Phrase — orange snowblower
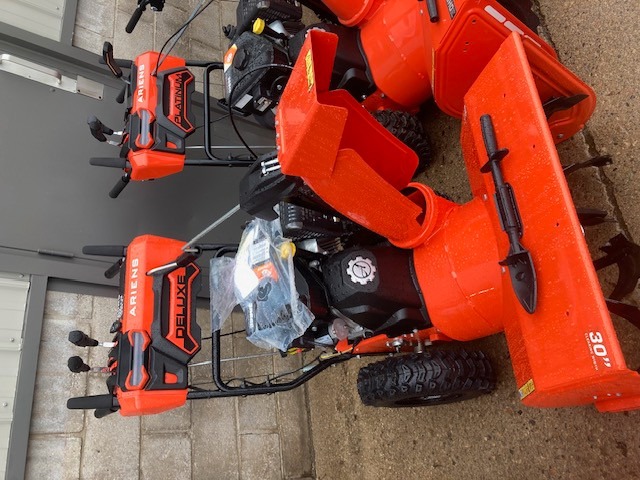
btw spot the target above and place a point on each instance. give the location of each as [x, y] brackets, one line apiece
[514, 258]
[381, 265]
[392, 57]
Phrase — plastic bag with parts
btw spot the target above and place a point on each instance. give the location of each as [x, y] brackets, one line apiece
[263, 280]
[222, 296]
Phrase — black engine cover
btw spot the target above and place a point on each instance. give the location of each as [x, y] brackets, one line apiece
[257, 92]
[376, 288]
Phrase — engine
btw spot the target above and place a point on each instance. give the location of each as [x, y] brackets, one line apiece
[266, 43]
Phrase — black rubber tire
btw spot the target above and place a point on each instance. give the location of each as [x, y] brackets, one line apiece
[521, 9]
[408, 129]
[435, 377]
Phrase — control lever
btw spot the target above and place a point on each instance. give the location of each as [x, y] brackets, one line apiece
[103, 412]
[118, 187]
[107, 251]
[137, 13]
[122, 93]
[114, 269]
[518, 260]
[156, 5]
[107, 55]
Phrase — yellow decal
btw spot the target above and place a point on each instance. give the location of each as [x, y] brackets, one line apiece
[310, 77]
[526, 389]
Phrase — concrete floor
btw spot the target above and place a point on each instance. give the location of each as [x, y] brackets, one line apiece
[495, 436]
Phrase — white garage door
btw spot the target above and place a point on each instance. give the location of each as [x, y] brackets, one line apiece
[13, 303]
[42, 17]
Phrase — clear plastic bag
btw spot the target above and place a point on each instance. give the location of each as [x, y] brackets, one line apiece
[261, 279]
[222, 297]
[264, 280]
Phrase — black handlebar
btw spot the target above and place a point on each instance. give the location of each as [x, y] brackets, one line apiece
[106, 401]
[77, 365]
[81, 339]
[105, 250]
[108, 162]
[137, 13]
[98, 129]
[118, 187]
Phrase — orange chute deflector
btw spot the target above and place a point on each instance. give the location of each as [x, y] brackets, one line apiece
[566, 352]
[411, 58]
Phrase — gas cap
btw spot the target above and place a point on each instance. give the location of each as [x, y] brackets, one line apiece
[241, 59]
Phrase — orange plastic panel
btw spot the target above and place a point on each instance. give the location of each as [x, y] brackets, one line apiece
[567, 352]
[397, 55]
[148, 402]
[146, 165]
[325, 138]
[459, 274]
[351, 12]
[462, 47]
[144, 253]
[145, 90]
[554, 80]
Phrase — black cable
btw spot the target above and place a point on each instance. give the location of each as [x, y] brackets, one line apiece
[186, 24]
[224, 334]
[226, 115]
[270, 379]
[233, 123]
[232, 333]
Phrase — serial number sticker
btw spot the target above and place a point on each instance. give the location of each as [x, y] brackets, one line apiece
[308, 60]
[526, 389]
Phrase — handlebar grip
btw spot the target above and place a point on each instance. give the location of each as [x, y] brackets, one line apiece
[133, 21]
[77, 365]
[104, 250]
[432, 9]
[81, 339]
[93, 401]
[488, 134]
[118, 187]
[108, 162]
